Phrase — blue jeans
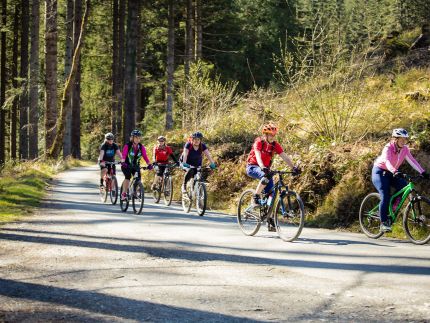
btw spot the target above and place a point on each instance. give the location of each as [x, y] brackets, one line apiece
[255, 171]
[383, 180]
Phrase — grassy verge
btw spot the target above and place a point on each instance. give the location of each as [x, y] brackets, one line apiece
[23, 185]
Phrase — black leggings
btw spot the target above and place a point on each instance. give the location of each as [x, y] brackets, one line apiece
[188, 175]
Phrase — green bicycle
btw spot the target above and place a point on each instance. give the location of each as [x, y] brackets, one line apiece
[416, 217]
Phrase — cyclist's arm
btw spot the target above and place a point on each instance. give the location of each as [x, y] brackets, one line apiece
[101, 155]
[412, 161]
[185, 155]
[387, 156]
[258, 157]
[125, 152]
[118, 153]
[145, 156]
[286, 159]
[174, 157]
[208, 155]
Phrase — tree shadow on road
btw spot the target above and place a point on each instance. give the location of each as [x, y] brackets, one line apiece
[100, 303]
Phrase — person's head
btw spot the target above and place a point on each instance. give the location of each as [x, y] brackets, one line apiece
[196, 138]
[161, 140]
[135, 136]
[400, 136]
[109, 137]
[269, 131]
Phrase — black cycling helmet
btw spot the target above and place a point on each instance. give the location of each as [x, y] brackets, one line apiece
[136, 133]
[197, 134]
[109, 136]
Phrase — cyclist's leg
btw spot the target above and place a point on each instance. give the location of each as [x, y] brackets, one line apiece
[103, 172]
[381, 179]
[126, 170]
[188, 175]
[256, 172]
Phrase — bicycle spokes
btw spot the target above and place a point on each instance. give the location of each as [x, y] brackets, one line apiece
[416, 221]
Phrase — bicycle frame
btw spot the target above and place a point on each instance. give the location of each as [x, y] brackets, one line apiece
[405, 191]
[279, 187]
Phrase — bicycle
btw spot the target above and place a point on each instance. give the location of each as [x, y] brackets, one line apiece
[288, 213]
[166, 186]
[135, 192]
[110, 184]
[416, 216]
[196, 190]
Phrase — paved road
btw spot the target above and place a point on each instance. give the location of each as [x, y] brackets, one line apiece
[80, 260]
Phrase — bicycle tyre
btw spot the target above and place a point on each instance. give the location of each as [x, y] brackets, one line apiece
[167, 190]
[369, 216]
[114, 190]
[201, 198]
[156, 194]
[187, 198]
[247, 218]
[123, 203]
[289, 222]
[417, 228]
[138, 198]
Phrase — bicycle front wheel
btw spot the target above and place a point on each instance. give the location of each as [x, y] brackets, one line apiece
[369, 216]
[138, 198]
[289, 216]
[416, 221]
[248, 217]
[168, 190]
[201, 198]
[114, 190]
[123, 203]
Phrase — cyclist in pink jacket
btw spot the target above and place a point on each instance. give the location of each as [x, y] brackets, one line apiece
[385, 172]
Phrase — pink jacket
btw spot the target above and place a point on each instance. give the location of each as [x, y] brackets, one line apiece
[391, 160]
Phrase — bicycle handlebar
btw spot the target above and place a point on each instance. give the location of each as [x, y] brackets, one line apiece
[170, 165]
[111, 163]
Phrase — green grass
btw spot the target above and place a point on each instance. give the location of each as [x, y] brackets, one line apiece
[23, 186]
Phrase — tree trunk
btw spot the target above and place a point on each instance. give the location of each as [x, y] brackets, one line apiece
[34, 78]
[14, 111]
[139, 108]
[199, 30]
[130, 68]
[189, 37]
[3, 78]
[67, 142]
[68, 88]
[76, 96]
[120, 66]
[23, 98]
[170, 64]
[51, 96]
[114, 108]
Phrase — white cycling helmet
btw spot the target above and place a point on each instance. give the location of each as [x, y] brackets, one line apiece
[400, 133]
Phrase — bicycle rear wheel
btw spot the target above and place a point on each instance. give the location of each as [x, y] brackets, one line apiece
[103, 191]
[167, 190]
[138, 197]
[416, 221]
[187, 198]
[248, 217]
[123, 203]
[289, 216]
[201, 198]
[369, 216]
[114, 190]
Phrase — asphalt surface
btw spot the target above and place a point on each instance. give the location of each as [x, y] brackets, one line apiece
[81, 260]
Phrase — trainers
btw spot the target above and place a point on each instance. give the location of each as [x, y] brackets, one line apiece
[271, 225]
[123, 196]
[386, 226]
[256, 201]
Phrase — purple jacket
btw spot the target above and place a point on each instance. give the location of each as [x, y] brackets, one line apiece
[391, 160]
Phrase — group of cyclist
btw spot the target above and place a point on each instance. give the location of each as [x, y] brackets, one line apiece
[385, 172]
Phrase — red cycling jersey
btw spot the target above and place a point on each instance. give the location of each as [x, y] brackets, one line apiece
[162, 154]
[267, 151]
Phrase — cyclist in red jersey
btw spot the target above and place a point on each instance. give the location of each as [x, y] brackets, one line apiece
[161, 155]
[260, 160]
